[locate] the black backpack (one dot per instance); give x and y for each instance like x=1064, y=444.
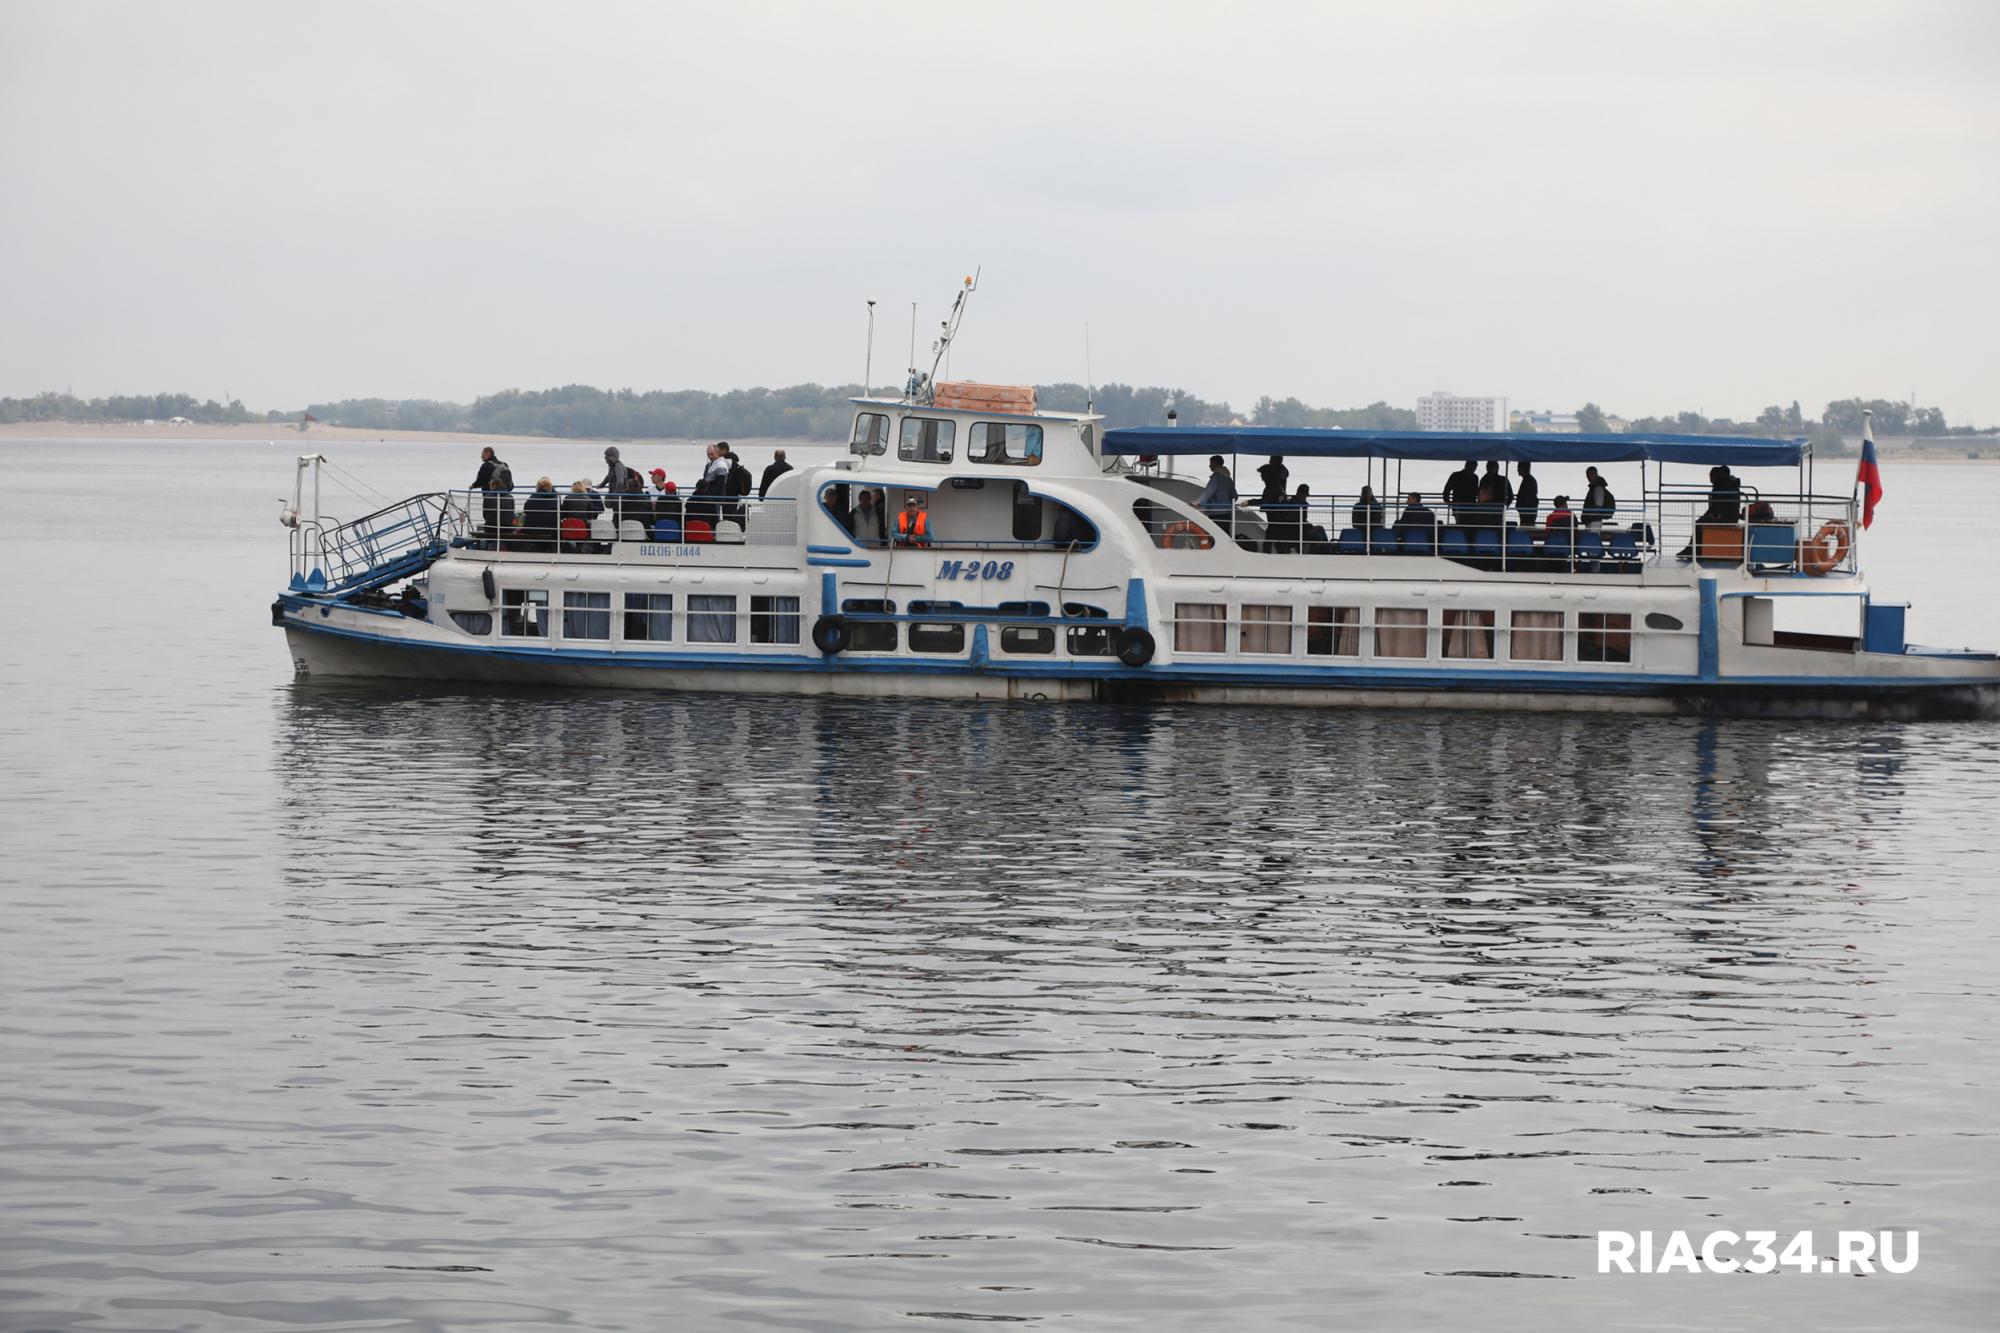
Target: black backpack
x=739, y=478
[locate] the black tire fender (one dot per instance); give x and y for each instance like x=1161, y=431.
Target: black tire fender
x=487, y=585
x=830, y=634
x=1135, y=647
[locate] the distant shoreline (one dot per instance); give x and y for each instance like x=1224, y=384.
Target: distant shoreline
x=260, y=432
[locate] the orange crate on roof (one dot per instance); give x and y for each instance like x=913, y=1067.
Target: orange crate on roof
x=968, y=396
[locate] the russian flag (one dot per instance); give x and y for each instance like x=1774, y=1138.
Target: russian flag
x=1869, y=478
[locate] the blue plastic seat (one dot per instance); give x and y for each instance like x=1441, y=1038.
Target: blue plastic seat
x=1589, y=550
x=1417, y=541
x=1773, y=544
x=666, y=530
x=1556, y=548
x=1352, y=542
x=1520, y=546
x=1486, y=542
x=1454, y=546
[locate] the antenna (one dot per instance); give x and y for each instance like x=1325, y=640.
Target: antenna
x=1089, y=384
x=910, y=389
x=942, y=348
x=868, y=375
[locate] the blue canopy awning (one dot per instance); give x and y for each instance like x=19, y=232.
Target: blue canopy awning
x=1457, y=446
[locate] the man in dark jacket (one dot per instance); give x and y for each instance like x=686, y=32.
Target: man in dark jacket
x=1527, y=497
x=1598, y=501
x=497, y=480
x=539, y=517
x=1461, y=493
x=779, y=467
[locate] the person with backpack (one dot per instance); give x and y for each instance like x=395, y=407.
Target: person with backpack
x=497, y=480
x=1598, y=501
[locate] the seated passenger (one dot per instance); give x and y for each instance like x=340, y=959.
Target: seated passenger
x=1761, y=512
x=539, y=515
x=1560, y=516
x=1725, y=497
x=913, y=524
x=1416, y=515
x=1368, y=515
x=581, y=504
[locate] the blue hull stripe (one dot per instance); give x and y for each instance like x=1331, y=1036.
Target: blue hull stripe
x=1214, y=674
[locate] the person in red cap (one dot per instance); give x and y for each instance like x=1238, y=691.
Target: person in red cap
x=667, y=503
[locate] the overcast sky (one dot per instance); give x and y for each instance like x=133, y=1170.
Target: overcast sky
x=1655, y=207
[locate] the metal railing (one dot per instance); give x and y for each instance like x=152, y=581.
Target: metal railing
x=376, y=549
x=594, y=522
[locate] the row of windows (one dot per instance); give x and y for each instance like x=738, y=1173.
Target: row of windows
x=931, y=440
x=648, y=617
x=1401, y=632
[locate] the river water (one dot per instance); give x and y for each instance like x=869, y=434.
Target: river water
x=390, y=1008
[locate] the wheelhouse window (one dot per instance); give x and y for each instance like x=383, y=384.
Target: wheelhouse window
x=711, y=618
x=1266, y=628
x=524, y=613
x=474, y=622
x=870, y=636
x=1005, y=442
x=926, y=440
x=649, y=617
x=937, y=638
x=1333, y=631
x=1535, y=636
x=774, y=620
x=1201, y=627
x=871, y=434
x=1603, y=636
x=587, y=615
x=1027, y=639
x=1088, y=641
x=1402, y=631
x=1469, y=634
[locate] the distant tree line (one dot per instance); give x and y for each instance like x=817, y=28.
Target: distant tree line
x=125, y=407
x=822, y=412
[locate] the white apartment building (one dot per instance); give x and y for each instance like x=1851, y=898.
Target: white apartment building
x=1450, y=411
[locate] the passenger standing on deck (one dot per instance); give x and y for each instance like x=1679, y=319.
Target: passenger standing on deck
x=779, y=467
x=1495, y=481
x=1275, y=475
x=1461, y=493
x=1598, y=501
x=869, y=527
x=1527, y=496
x=495, y=478
x=1218, y=498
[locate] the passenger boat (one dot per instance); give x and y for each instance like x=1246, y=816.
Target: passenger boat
x=1060, y=561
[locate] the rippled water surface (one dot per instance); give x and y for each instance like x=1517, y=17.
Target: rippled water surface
x=331, y=1008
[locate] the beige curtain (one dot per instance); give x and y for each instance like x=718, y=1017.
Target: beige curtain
x=1401, y=632
x=1536, y=636
x=1201, y=627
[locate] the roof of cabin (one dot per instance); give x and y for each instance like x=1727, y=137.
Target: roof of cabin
x=905, y=405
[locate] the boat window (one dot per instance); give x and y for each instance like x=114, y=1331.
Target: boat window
x=774, y=620
x=1402, y=631
x=1089, y=435
x=922, y=607
x=1603, y=636
x=871, y=434
x=524, y=613
x=1266, y=628
x=926, y=440
x=1170, y=529
x=474, y=622
x=1200, y=627
x=1002, y=442
x=1333, y=631
x=1092, y=641
x=937, y=638
x=1661, y=620
x=1469, y=634
x=1536, y=636
x=1022, y=609
x=1027, y=514
x=711, y=618
x=870, y=636
x=586, y=615
x=649, y=617
x=1027, y=639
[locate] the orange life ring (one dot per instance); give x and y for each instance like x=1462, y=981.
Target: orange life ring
x=1827, y=548
x=1186, y=537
